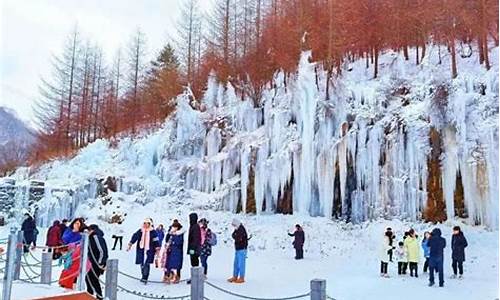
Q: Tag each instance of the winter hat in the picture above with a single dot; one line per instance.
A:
(203, 221)
(148, 220)
(236, 222)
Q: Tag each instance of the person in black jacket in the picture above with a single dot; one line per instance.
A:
(298, 241)
(458, 245)
(436, 247)
(98, 256)
(29, 232)
(240, 245)
(194, 240)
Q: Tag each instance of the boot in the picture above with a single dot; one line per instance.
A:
(232, 279)
(166, 279)
(240, 280)
(176, 279)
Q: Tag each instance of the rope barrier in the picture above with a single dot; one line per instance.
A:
(149, 281)
(254, 298)
(39, 262)
(29, 279)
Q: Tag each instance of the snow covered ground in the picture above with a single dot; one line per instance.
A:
(345, 255)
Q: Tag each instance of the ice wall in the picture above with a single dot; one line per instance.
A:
(359, 153)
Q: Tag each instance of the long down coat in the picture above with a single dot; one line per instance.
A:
(140, 256)
(458, 245)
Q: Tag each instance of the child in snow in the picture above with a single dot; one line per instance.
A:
(426, 249)
(413, 251)
(436, 245)
(298, 241)
(458, 245)
(147, 247)
(208, 240)
(385, 251)
(402, 258)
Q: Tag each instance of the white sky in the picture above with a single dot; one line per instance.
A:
(33, 30)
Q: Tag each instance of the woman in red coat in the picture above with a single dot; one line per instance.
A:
(71, 260)
(54, 239)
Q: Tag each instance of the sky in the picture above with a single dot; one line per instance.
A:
(32, 31)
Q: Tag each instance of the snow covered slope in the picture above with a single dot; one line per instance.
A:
(376, 148)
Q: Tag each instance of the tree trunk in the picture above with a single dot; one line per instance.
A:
(453, 58)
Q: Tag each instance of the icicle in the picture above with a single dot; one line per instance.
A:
(306, 99)
(449, 170)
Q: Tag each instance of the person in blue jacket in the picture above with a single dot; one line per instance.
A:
(73, 234)
(426, 249)
(436, 245)
(160, 230)
(458, 245)
(176, 252)
(147, 247)
(29, 232)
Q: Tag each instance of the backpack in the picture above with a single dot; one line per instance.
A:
(213, 239)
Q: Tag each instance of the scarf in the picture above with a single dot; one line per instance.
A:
(144, 243)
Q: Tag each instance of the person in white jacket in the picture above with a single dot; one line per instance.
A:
(401, 258)
(385, 249)
(118, 233)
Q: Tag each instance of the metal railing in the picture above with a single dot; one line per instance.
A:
(40, 273)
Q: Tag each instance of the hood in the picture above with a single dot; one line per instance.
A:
(99, 232)
(436, 232)
(193, 219)
(236, 222)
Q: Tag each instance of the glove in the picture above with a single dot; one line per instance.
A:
(191, 252)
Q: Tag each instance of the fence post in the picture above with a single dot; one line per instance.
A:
(318, 289)
(197, 281)
(46, 272)
(19, 254)
(8, 275)
(111, 287)
(84, 244)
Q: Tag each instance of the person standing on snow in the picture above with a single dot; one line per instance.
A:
(73, 234)
(174, 252)
(388, 232)
(98, 256)
(208, 239)
(29, 232)
(436, 245)
(160, 231)
(194, 240)
(426, 249)
(147, 246)
(118, 235)
(413, 251)
(385, 253)
(298, 241)
(458, 245)
(54, 239)
(63, 226)
(240, 255)
(401, 258)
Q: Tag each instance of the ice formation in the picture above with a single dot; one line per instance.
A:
(359, 154)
